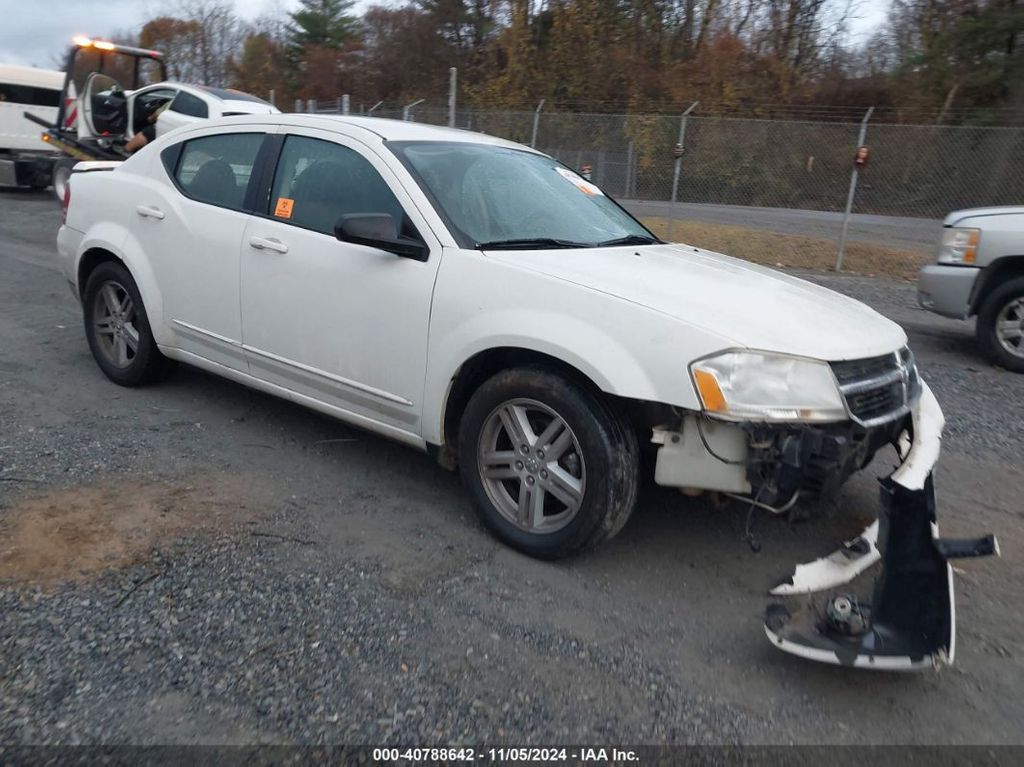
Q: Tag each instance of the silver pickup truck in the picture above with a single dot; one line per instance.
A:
(979, 270)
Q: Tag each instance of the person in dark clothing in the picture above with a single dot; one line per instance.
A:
(140, 139)
(147, 134)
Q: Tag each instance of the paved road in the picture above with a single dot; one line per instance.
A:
(245, 570)
(891, 231)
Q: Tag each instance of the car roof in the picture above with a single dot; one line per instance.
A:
(31, 76)
(384, 128)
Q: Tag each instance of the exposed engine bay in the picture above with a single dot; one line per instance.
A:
(908, 622)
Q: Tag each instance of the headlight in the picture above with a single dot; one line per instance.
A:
(758, 386)
(959, 245)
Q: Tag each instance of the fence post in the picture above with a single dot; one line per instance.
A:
(629, 172)
(346, 104)
(374, 107)
(271, 98)
(678, 168)
(852, 192)
(453, 83)
(407, 109)
(536, 123)
(311, 105)
(298, 105)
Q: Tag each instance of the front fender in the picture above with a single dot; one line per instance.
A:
(625, 349)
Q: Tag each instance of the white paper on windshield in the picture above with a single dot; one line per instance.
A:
(579, 182)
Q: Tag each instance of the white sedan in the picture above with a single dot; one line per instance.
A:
(476, 299)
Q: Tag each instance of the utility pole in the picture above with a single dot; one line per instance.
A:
(679, 148)
(852, 192)
(536, 123)
(453, 84)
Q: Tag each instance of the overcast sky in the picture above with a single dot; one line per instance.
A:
(34, 32)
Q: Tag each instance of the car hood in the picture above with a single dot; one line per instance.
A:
(957, 216)
(750, 305)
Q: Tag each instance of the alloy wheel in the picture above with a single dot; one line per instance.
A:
(113, 319)
(1010, 327)
(531, 466)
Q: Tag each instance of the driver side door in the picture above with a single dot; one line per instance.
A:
(104, 107)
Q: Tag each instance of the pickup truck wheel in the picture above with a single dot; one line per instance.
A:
(118, 330)
(1001, 325)
(552, 469)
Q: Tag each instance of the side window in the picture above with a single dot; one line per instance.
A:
(216, 169)
(187, 104)
(317, 182)
(148, 105)
(27, 94)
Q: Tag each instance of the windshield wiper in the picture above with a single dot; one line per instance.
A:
(530, 243)
(629, 239)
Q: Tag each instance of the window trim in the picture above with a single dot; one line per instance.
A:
(269, 172)
(172, 156)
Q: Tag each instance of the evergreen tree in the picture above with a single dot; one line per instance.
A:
(323, 24)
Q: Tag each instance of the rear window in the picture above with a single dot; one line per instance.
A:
(217, 169)
(187, 104)
(29, 95)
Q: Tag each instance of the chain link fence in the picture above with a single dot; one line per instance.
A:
(914, 170)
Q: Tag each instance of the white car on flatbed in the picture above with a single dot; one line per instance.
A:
(476, 299)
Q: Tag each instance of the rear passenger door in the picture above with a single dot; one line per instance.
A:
(343, 324)
(189, 220)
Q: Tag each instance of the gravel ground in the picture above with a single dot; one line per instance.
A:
(199, 563)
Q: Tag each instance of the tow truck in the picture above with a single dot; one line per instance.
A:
(113, 91)
(92, 109)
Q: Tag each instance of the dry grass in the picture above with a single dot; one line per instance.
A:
(792, 250)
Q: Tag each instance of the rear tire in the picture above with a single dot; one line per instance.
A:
(118, 330)
(1000, 328)
(550, 504)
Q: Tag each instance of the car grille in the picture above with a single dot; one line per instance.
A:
(878, 390)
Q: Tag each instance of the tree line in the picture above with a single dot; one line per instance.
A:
(954, 61)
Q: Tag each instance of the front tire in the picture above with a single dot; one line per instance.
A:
(118, 330)
(552, 468)
(1001, 325)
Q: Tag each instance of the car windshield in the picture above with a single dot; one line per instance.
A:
(497, 197)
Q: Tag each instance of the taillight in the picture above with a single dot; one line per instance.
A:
(67, 200)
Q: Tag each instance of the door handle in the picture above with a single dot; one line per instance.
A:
(268, 243)
(149, 212)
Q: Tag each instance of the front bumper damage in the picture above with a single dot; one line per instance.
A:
(910, 623)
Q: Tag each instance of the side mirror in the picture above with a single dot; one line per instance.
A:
(378, 230)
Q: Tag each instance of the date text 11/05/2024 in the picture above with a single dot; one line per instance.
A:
(504, 754)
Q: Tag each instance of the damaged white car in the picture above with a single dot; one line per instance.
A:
(476, 299)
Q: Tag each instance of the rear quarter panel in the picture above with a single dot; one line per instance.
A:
(103, 209)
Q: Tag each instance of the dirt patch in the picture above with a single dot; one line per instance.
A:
(72, 533)
(794, 250)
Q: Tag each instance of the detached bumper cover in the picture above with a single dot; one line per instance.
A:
(911, 622)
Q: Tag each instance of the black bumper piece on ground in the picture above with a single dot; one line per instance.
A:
(911, 622)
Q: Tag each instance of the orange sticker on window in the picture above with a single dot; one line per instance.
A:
(284, 207)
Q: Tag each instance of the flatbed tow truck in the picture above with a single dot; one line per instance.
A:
(97, 75)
